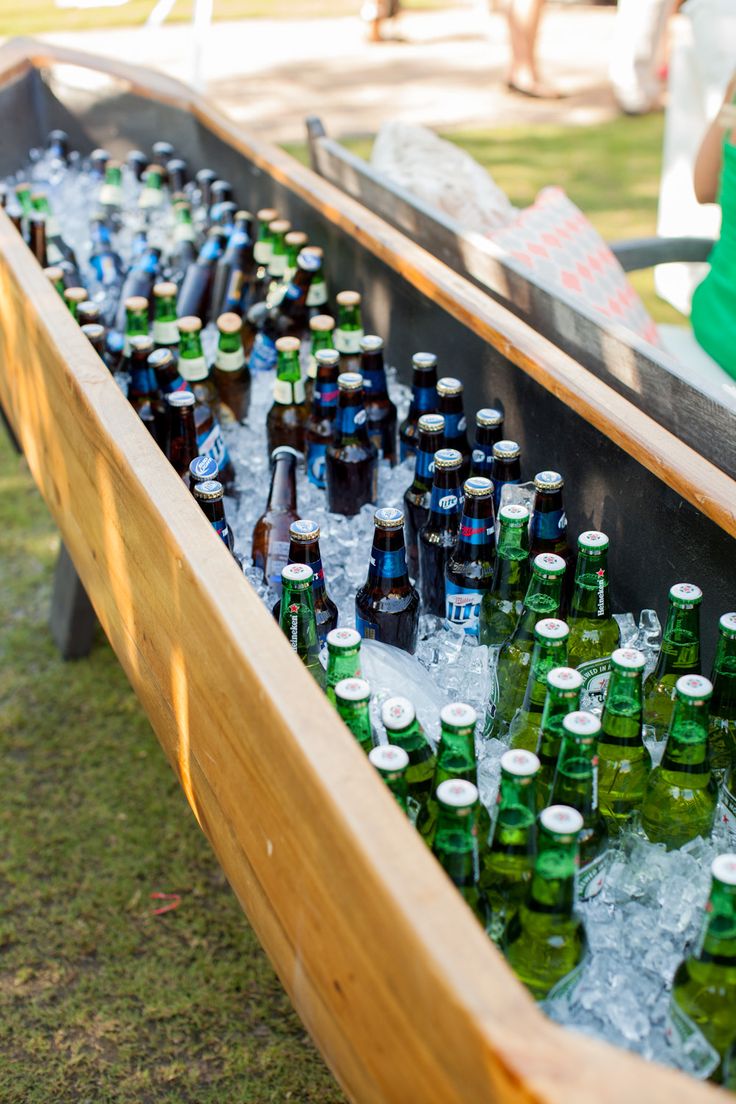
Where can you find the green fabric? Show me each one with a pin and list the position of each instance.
(714, 301)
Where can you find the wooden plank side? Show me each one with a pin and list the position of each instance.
(404, 994)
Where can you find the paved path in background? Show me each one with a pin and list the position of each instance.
(447, 70)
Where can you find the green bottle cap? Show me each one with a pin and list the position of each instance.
(388, 759)
(686, 595)
(565, 678)
(458, 715)
(520, 763)
(448, 385)
(561, 820)
(723, 868)
(628, 660)
(506, 450)
(447, 458)
(548, 565)
(431, 423)
(489, 417)
(548, 481)
(388, 518)
(340, 639)
(727, 624)
(551, 628)
(695, 689)
(478, 487)
(514, 514)
(456, 793)
(592, 541)
(304, 530)
(352, 690)
(581, 724)
(297, 576)
(397, 714)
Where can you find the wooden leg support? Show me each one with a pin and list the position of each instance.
(9, 431)
(73, 621)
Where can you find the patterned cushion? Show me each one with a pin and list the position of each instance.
(555, 247)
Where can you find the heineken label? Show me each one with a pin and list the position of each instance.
(462, 606)
(590, 878)
(165, 333)
(263, 355)
(317, 294)
(230, 362)
(212, 444)
(701, 1059)
(367, 629)
(455, 424)
(549, 526)
(262, 251)
(221, 528)
(729, 804)
(348, 341)
(316, 463)
(595, 673)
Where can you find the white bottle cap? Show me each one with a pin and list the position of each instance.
(353, 690)
(552, 628)
(630, 659)
(388, 757)
(724, 868)
(581, 723)
(457, 793)
(519, 762)
(458, 715)
(561, 819)
(397, 713)
(564, 678)
(343, 638)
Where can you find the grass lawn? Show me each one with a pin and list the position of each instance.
(100, 1000)
(611, 171)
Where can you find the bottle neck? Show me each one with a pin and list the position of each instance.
(307, 552)
(718, 942)
(388, 559)
(424, 465)
(451, 408)
(513, 542)
(136, 324)
(553, 880)
(192, 364)
(477, 536)
(454, 840)
(288, 367)
(624, 701)
(298, 622)
(374, 375)
(342, 663)
(325, 393)
(350, 423)
(164, 308)
(517, 800)
(423, 392)
(549, 523)
(282, 495)
(576, 780)
(723, 702)
(456, 754)
(446, 502)
(542, 599)
(680, 650)
(546, 655)
(687, 739)
(295, 294)
(590, 597)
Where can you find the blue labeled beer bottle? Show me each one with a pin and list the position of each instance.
(380, 411)
(194, 370)
(350, 459)
(304, 548)
(488, 430)
(438, 535)
(209, 494)
(469, 571)
(321, 420)
(506, 468)
(423, 401)
(418, 495)
(164, 365)
(387, 605)
(450, 406)
(235, 270)
(196, 287)
(143, 387)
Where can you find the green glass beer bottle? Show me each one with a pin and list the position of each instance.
(73, 297)
(550, 650)
(679, 655)
(298, 622)
(349, 333)
(403, 729)
(594, 633)
(506, 866)
(288, 415)
(563, 697)
(165, 329)
(729, 1068)
(704, 986)
(576, 784)
(501, 605)
(343, 658)
(455, 759)
(681, 794)
(728, 796)
(624, 762)
(352, 696)
(542, 599)
(722, 710)
(545, 941)
(455, 843)
(230, 371)
(136, 322)
(304, 548)
(321, 328)
(391, 763)
(263, 247)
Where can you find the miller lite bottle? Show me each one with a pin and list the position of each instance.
(350, 459)
(470, 566)
(418, 495)
(438, 535)
(321, 420)
(380, 411)
(450, 406)
(488, 430)
(423, 401)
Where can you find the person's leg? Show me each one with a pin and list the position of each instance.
(637, 38)
(523, 19)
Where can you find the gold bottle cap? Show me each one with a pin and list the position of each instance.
(136, 303)
(348, 298)
(350, 381)
(279, 226)
(304, 531)
(296, 237)
(288, 345)
(165, 290)
(479, 487)
(267, 215)
(75, 295)
(322, 323)
(189, 324)
(448, 385)
(208, 489)
(388, 518)
(229, 323)
(371, 343)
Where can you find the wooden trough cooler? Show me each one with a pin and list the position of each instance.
(393, 977)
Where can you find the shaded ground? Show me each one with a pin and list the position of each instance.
(100, 1000)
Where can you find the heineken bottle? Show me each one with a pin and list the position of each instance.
(450, 406)
(165, 329)
(455, 844)
(142, 388)
(681, 795)
(321, 327)
(351, 467)
(722, 710)
(563, 697)
(545, 940)
(181, 437)
(418, 496)
(391, 763)
(277, 263)
(380, 411)
(343, 658)
(576, 784)
(594, 633)
(387, 605)
(679, 655)
(322, 415)
(455, 759)
(488, 431)
(271, 532)
(542, 599)
(507, 863)
(469, 571)
(502, 603)
(624, 762)
(423, 401)
(136, 321)
(230, 371)
(286, 420)
(506, 468)
(304, 548)
(295, 241)
(439, 533)
(263, 247)
(195, 372)
(550, 650)
(209, 494)
(704, 987)
(349, 333)
(74, 297)
(548, 532)
(352, 696)
(403, 730)
(297, 621)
